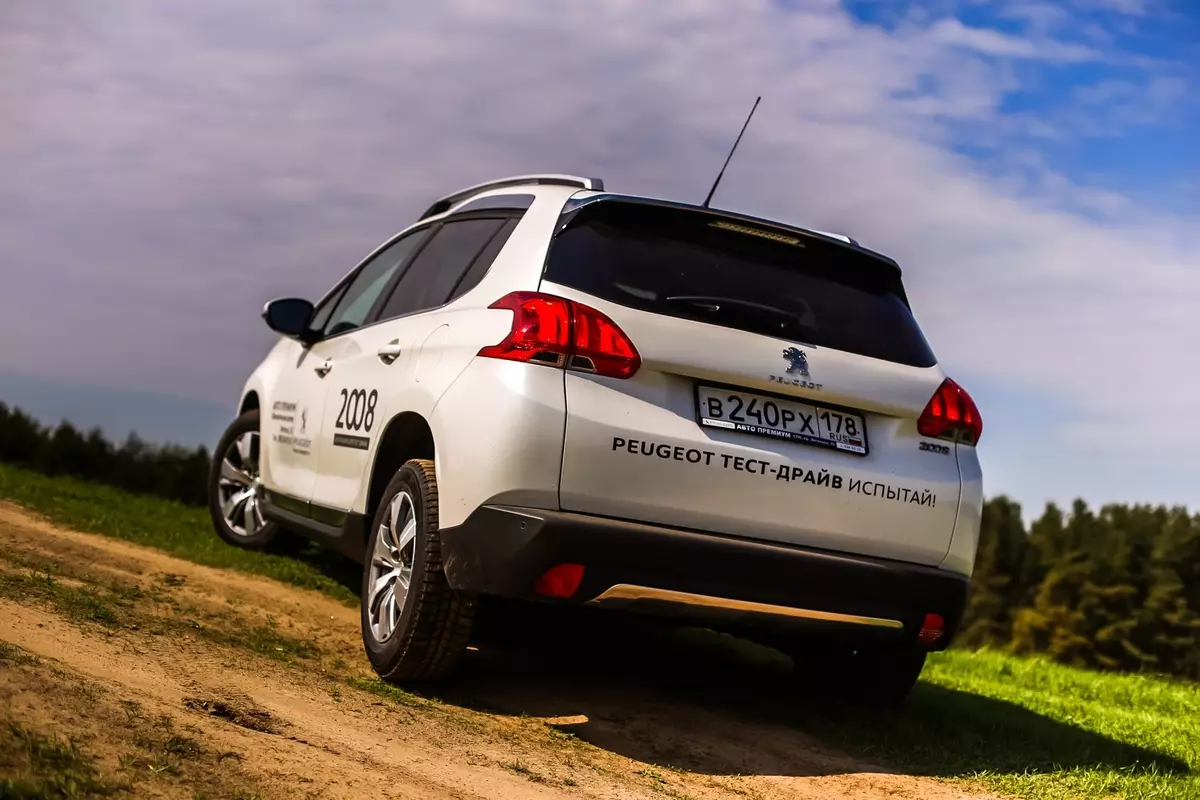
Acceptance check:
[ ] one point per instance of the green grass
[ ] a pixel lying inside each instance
(184, 531)
(1034, 729)
(42, 768)
(388, 692)
(80, 604)
(116, 605)
(1086, 734)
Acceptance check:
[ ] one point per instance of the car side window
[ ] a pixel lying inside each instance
(440, 265)
(483, 262)
(325, 309)
(365, 288)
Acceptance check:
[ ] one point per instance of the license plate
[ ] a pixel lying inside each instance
(781, 419)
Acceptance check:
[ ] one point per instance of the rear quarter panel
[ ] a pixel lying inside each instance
(961, 556)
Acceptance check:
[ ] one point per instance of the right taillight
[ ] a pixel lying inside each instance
(951, 414)
(562, 333)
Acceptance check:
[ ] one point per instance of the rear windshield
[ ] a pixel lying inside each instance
(720, 271)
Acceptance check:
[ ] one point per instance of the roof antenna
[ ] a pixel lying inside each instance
(721, 174)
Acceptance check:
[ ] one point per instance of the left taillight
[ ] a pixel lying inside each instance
(563, 333)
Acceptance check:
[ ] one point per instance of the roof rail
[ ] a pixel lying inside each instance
(447, 202)
(839, 236)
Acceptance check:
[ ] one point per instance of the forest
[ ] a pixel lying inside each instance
(1116, 588)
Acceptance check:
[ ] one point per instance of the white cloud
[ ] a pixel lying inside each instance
(172, 166)
(953, 33)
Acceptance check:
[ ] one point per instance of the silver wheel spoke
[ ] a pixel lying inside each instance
(231, 505)
(386, 613)
(395, 512)
(234, 475)
(248, 515)
(384, 580)
(238, 487)
(393, 610)
(384, 553)
(391, 570)
(408, 534)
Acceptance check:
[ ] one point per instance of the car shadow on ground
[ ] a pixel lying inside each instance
(342, 570)
(713, 704)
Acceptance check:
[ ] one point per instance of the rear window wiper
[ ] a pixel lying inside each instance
(717, 305)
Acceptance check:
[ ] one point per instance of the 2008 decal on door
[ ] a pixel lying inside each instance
(358, 410)
(356, 414)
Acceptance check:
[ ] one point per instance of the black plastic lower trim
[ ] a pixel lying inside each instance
(343, 532)
(502, 551)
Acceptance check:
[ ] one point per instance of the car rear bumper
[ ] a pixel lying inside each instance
(722, 581)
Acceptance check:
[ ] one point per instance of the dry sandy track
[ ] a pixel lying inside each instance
(174, 694)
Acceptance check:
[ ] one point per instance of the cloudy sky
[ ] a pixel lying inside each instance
(166, 166)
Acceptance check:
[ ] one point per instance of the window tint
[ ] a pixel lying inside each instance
(439, 266)
(697, 266)
(325, 310)
(365, 287)
(483, 262)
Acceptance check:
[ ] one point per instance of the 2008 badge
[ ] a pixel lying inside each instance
(358, 410)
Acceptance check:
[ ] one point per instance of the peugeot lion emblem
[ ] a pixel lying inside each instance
(797, 361)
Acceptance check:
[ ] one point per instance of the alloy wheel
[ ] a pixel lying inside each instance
(239, 487)
(391, 566)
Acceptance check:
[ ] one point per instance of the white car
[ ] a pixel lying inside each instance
(545, 391)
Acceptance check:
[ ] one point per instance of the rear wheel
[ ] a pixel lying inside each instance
(881, 675)
(235, 487)
(414, 626)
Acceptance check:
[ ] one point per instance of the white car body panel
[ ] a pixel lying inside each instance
(499, 432)
(347, 445)
(292, 398)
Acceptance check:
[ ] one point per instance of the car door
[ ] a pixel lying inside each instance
(303, 388)
(375, 371)
(291, 417)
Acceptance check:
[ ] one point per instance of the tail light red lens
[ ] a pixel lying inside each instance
(951, 414)
(563, 333)
(931, 630)
(560, 581)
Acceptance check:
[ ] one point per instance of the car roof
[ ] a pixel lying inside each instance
(577, 191)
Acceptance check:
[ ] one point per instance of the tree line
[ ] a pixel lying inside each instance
(170, 471)
(1116, 589)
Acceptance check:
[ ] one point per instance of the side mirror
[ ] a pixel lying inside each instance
(289, 316)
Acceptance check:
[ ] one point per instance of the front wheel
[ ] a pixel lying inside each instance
(235, 488)
(414, 626)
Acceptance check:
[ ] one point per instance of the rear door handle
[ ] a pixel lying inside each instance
(324, 369)
(390, 351)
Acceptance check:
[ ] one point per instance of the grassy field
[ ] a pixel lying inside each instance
(183, 531)
(1022, 727)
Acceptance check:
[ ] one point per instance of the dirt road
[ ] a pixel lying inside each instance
(175, 680)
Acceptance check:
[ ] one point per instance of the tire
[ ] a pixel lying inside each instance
(881, 676)
(234, 488)
(427, 631)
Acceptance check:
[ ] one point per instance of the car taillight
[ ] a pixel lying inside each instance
(563, 333)
(560, 581)
(951, 414)
(931, 630)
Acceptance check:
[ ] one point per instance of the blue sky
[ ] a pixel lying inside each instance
(169, 166)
